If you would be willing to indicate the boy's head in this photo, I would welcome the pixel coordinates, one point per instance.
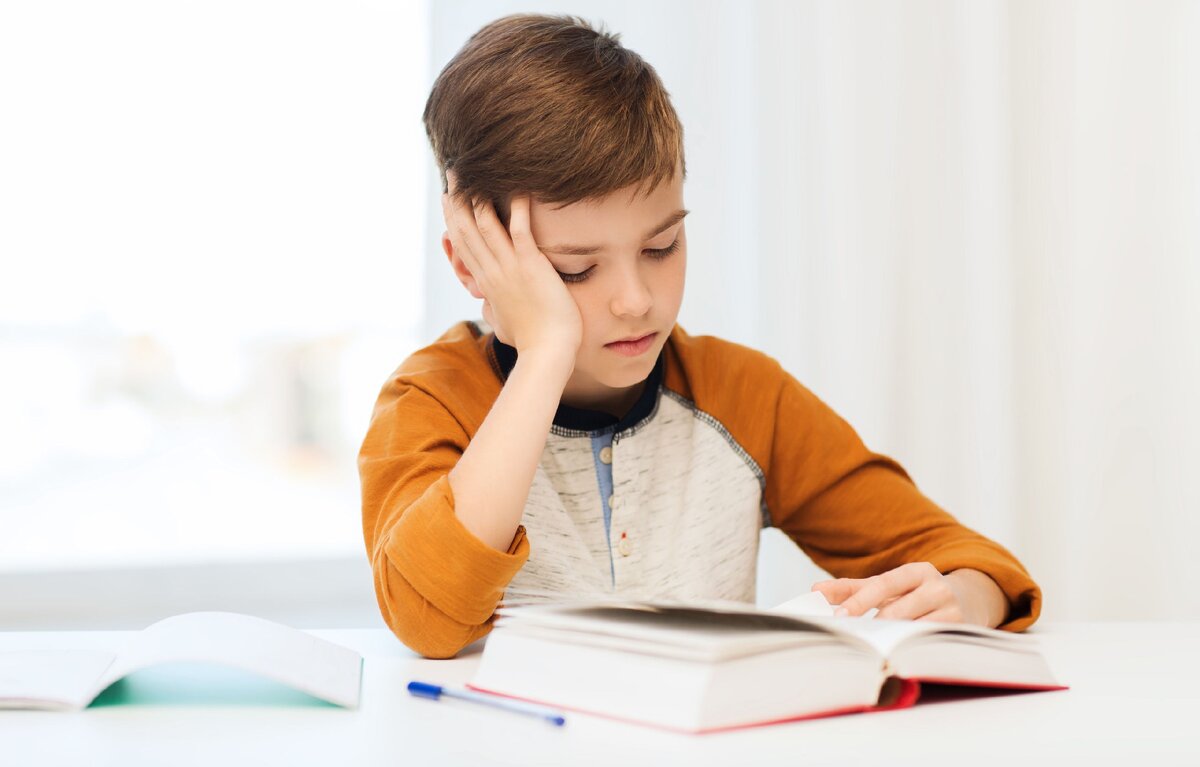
(550, 107)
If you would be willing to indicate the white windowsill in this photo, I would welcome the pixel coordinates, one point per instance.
(303, 593)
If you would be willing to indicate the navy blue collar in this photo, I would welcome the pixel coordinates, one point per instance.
(581, 419)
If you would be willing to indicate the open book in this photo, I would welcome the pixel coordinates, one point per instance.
(714, 666)
(66, 679)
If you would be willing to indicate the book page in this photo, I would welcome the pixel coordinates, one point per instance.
(734, 628)
(50, 679)
(297, 659)
(675, 630)
(812, 603)
(661, 636)
(884, 635)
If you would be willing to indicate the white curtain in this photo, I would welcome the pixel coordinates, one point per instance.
(974, 230)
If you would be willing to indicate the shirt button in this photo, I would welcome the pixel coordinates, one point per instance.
(623, 545)
(606, 454)
(612, 502)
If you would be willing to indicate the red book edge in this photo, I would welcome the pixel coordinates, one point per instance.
(906, 697)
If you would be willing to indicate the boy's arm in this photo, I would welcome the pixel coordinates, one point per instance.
(441, 511)
(857, 514)
(492, 479)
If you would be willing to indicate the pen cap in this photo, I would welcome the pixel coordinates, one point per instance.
(423, 690)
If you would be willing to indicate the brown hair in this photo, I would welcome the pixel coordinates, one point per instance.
(549, 106)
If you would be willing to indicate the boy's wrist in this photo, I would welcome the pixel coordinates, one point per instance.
(558, 362)
(989, 606)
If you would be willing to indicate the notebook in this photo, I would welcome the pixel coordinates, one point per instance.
(71, 679)
(715, 666)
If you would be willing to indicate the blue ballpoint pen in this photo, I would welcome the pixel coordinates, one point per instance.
(433, 692)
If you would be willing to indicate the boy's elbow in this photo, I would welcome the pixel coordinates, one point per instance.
(437, 638)
(420, 625)
(434, 648)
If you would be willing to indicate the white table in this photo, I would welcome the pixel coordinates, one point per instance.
(1135, 695)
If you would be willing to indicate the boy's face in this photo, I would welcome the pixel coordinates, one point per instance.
(633, 284)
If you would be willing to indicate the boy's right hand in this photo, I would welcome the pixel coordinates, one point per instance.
(524, 299)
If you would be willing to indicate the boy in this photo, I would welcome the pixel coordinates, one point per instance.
(581, 442)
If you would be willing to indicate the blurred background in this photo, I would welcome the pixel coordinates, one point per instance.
(972, 228)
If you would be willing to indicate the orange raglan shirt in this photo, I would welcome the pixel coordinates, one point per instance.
(667, 502)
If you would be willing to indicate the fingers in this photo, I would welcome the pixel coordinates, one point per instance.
(454, 232)
(464, 234)
(945, 615)
(839, 590)
(929, 597)
(492, 230)
(477, 228)
(463, 229)
(518, 223)
(872, 592)
(481, 226)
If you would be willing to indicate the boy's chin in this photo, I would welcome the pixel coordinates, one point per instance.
(630, 376)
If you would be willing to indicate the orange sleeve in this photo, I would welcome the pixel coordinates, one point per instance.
(856, 513)
(436, 583)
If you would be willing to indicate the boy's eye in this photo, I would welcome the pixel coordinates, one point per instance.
(664, 252)
(577, 276)
(655, 253)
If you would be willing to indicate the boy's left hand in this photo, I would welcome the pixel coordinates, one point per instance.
(917, 591)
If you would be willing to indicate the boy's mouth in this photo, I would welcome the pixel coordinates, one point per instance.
(631, 347)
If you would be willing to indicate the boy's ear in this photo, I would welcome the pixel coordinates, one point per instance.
(460, 269)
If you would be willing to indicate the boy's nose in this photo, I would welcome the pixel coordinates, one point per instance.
(633, 298)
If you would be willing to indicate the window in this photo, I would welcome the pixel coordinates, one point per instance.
(211, 236)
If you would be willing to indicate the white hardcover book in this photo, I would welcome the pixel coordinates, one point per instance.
(705, 667)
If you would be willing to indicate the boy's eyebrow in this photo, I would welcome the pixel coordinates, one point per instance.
(587, 250)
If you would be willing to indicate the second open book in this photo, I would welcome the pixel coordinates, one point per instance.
(700, 668)
(71, 678)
